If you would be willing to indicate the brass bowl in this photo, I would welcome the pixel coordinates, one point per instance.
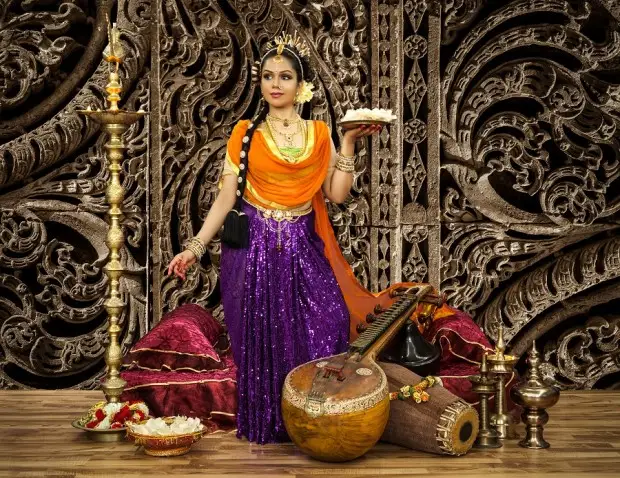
(159, 445)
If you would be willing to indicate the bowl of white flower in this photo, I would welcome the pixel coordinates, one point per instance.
(365, 116)
(166, 436)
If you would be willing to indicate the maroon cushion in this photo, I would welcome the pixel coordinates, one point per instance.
(210, 396)
(183, 341)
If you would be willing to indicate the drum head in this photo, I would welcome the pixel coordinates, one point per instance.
(457, 428)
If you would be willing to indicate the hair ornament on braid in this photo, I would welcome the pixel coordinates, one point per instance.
(256, 72)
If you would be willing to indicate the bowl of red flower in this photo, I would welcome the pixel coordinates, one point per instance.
(107, 421)
(166, 436)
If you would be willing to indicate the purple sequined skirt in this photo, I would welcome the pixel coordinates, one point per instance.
(283, 307)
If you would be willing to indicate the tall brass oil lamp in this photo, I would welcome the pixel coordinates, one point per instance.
(115, 122)
(502, 366)
(535, 396)
(485, 386)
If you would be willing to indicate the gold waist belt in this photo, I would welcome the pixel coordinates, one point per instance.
(280, 215)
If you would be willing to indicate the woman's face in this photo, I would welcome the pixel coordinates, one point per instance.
(279, 82)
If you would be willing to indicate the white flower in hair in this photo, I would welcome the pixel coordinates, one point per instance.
(305, 93)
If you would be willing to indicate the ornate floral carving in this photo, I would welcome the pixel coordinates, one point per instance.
(517, 143)
(415, 47)
(583, 355)
(39, 48)
(457, 15)
(478, 257)
(415, 268)
(568, 275)
(524, 92)
(60, 330)
(530, 142)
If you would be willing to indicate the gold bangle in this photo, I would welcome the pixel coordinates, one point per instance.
(196, 247)
(191, 248)
(193, 251)
(345, 168)
(201, 245)
(345, 164)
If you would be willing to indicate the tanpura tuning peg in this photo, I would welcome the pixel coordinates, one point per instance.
(360, 328)
(378, 309)
(397, 291)
(436, 300)
(370, 318)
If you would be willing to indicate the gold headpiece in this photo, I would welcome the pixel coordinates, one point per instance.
(279, 50)
(292, 41)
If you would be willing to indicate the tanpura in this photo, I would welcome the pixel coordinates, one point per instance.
(336, 408)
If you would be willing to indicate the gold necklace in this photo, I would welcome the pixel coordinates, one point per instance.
(288, 136)
(286, 122)
(290, 157)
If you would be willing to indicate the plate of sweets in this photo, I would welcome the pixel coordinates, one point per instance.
(364, 116)
(166, 436)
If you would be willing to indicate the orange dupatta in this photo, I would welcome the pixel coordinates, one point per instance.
(273, 182)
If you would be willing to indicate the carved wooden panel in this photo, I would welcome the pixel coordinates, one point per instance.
(52, 180)
(530, 174)
(500, 182)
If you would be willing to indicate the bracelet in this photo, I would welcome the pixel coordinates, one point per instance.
(196, 247)
(346, 164)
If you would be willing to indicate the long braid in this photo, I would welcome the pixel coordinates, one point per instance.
(245, 146)
(236, 230)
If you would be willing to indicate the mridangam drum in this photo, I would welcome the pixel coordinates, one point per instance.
(444, 424)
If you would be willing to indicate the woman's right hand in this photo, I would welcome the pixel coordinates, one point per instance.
(181, 262)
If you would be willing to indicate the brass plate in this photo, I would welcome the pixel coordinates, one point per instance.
(115, 435)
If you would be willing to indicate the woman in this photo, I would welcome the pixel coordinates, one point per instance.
(282, 303)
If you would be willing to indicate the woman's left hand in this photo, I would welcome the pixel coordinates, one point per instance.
(364, 130)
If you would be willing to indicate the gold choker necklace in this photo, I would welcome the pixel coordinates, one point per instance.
(286, 122)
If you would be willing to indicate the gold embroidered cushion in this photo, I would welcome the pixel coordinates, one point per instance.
(184, 340)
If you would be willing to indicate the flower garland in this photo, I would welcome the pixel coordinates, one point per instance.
(417, 392)
(109, 416)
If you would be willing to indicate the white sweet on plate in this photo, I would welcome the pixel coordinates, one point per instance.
(159, 427)
(365, 114)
